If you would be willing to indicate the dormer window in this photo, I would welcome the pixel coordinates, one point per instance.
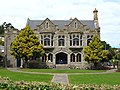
(47, 25)
(75, 25)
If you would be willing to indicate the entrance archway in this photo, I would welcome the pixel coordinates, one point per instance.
(61, 58)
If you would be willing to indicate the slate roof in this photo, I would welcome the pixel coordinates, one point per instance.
(61, 23)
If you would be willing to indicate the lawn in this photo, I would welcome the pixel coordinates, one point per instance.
(112, 79)
(61, 71)
(16, 76)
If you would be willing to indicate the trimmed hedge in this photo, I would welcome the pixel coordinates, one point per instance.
(7, 84)
(36, 64)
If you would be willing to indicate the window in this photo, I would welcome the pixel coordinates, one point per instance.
(46, 42)
(75, 25)
(47, 25)
(76, 40)
(72, 57)
(50, 57)
(41, 39)
(44, 58)
(78, 57)
(89, 38)
(61, 40)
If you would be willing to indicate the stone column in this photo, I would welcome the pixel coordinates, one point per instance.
(75, 57)
(21, 66)
(54, 59)
(46, 57)
(68, 58)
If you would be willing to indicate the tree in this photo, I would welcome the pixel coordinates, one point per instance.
(0, 41)
(5, 26)
(116, 58)
(94, 52)
(26, 46)
(109, 48)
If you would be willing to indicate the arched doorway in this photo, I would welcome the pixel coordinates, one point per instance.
(18, 62)
(61, 58)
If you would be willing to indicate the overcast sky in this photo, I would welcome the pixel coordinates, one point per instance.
(17, 12)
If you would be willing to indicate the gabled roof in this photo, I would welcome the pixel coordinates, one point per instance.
(61, 23)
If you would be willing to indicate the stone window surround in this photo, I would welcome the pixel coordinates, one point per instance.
(48, 38)
(74, 38)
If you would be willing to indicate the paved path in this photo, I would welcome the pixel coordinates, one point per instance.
(60, 78)
(17, 70)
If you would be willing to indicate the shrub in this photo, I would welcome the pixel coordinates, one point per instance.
(37, 64)
(33, 64)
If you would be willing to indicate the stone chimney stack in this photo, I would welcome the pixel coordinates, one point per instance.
(95, 14)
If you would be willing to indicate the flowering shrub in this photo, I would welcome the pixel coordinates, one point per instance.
(7, 84)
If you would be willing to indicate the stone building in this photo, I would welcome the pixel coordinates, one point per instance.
(63, 40)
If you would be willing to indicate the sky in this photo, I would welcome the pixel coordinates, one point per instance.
(16, 12)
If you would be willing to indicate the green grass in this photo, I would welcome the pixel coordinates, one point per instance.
(112, 79)
(61, 71)
(16, 76)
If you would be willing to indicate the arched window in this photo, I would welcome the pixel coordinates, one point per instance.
(61, 40)
(75, 42)
(50, 57)
(41, 39)
(89, 39)
(46, 41)
(75, 25)
(78, 57)
(47, 25)
(44, 58)
(72, 57)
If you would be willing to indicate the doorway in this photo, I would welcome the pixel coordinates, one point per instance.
(61, 58)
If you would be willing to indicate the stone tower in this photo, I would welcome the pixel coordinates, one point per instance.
(96, 22)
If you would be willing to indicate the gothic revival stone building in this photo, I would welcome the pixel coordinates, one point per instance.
(63, 40)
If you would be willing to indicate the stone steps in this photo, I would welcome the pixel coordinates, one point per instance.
(62, 66)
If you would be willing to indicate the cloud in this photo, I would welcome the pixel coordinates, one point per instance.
(17, 12)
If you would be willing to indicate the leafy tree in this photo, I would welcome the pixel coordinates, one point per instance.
(94, 52)
(117, 56)
(26, 46)
(0, 41)
(5, 26)
(110, 50)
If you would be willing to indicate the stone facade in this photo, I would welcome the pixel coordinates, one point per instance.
(63, 40)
